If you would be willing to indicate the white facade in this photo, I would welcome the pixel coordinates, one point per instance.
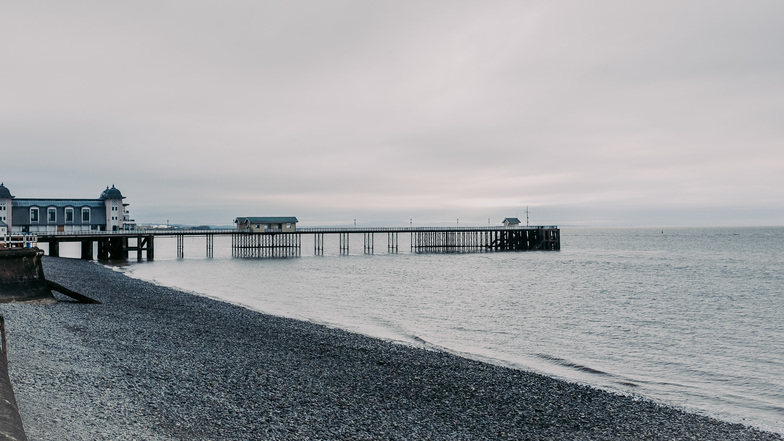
(115, 214)
(5, 211)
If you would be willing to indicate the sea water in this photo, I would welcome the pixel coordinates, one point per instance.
(690, 317)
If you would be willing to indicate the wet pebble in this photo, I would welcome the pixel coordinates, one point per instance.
(154, 363)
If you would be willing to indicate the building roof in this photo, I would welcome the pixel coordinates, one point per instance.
(5, 193)
(268, 220)
(111, 193)
(27, 202)
(512, 220)
(3, 224)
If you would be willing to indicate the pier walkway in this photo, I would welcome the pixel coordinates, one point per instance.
(117, 245)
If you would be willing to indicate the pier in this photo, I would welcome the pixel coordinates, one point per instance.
(120, 245)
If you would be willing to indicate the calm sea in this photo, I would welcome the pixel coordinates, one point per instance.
(691, 317)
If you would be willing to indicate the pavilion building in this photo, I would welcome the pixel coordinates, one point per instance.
(47, 215)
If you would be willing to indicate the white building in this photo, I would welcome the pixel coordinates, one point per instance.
(268, 224)
(511, 222)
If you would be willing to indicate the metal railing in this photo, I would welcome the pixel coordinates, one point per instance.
(305, 230)
(414, 229)
(19, 240)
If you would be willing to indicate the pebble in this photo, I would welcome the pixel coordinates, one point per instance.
(155, 363)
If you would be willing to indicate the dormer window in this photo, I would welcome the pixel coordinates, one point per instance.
(34, 215)
(51, 215)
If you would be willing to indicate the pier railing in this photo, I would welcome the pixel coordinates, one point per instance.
(19, 240)
(305, 230)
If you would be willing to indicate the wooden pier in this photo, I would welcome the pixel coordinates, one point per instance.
(266, 244)
(529, 239)
(119, 245)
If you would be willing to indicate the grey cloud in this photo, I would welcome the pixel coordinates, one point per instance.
(435, 108)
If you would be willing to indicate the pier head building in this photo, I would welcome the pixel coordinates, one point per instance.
(47, 215)
(268, 224)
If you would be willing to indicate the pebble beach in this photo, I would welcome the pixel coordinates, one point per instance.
(153, 363)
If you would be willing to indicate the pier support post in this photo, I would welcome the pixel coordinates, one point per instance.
(87, 250)
(180, 246)
(318, 244)
(392, 240)
(369, 245)
(344, 243)
(210, 246)
(118, 248)
(150, 247)
(54, 248)
(103, 249)
(256, 245)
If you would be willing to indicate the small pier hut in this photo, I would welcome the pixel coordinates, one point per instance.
(511, 222)
(268, 224)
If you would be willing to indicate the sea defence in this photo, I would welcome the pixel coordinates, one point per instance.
(21, 281)
(11, 428)
(22, 276)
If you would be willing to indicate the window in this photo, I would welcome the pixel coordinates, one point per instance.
(51, 215)
(34, 215)
(85, 215)
(69, 215)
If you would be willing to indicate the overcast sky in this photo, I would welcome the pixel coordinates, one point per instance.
(588, 112)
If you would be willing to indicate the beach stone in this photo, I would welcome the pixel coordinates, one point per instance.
(155, 363)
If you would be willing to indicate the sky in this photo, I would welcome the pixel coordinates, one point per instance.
(600, 113)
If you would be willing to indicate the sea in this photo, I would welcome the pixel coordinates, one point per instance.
(688, 317)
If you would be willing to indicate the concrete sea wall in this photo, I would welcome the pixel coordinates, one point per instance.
(22, 276)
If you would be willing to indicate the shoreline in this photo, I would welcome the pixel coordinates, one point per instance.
(152, 362)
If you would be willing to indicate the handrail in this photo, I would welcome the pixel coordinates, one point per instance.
(19, 240)
(306, 230)
(415, 229)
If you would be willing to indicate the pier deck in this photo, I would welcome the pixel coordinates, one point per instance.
(116, 245)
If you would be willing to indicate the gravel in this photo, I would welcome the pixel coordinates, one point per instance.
(152, 363)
